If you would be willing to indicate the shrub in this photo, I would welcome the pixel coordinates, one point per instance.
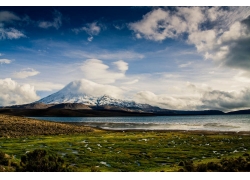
(40, 161)
(4, 160)
(225, 165)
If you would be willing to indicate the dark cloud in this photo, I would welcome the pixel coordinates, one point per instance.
(247, 22)
(239, 51)
(225, 101)
(7, 16)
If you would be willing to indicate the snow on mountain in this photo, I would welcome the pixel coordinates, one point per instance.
(75, 92)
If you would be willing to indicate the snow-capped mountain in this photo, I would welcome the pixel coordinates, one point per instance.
(74, 93)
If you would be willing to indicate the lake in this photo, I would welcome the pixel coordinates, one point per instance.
(208, 122)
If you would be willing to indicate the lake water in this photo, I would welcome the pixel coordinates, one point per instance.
(209, 122)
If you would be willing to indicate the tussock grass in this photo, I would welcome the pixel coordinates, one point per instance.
(14, 126)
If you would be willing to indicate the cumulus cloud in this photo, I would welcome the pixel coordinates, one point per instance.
(153, 26)
(160, 24)
(92, 29)
(56, 23)
(121, 65)
(219, 33)
(12, 93)
(97, 71)
(10, 33)
(5, 61)
(25, 73)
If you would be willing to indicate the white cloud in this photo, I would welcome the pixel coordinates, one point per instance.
(107, 55)
(92, 29)
(56, 23)
(166, 101)
(202, 98)
(90, 38)
(185, 64)
(94, 89)
(12, 93)
(5, 61)
(236, 31)
(153, 26)
(25, 73)
(10, 33)
(95, 70)
(6, 16)
(121, 65)
(203, 40)
(193, 16)
(219, 33)
(160, 24)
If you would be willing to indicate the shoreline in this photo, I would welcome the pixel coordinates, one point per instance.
(207, 132)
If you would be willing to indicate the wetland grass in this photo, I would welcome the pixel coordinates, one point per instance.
(130, 151)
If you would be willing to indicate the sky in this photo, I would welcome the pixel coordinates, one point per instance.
(174, 57)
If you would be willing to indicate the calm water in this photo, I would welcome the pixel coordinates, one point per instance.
(213, 122)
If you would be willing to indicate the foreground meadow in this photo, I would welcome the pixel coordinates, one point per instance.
(119, 151)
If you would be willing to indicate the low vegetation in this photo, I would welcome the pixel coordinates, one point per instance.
(131, 151)
(14, 126)
(239, 164)
(37, 161)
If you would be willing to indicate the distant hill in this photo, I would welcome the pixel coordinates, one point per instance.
(81, 110)
(246, 111)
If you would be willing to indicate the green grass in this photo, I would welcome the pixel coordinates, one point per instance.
(131, 151)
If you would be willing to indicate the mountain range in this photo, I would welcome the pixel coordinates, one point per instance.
(72, 100)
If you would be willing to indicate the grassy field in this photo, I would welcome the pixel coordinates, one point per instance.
(99, 150)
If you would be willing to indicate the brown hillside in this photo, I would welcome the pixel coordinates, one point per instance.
(14, 126)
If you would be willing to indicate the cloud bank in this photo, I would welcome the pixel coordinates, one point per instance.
(12, 93)
(202, 98)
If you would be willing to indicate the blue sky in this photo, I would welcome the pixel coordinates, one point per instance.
(172, 57)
